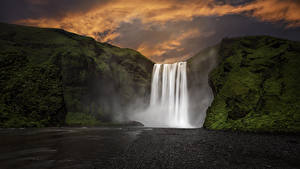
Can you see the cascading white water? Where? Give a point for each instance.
(169, 97)
(170, 105)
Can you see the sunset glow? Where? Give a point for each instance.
(159, 29)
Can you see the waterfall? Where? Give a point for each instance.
(171, 103)
(169, 97)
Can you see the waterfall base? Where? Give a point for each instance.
(169, 98)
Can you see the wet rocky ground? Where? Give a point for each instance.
(139, 148)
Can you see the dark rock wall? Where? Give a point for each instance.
(200, 93)
(49, 77)
(256, 85)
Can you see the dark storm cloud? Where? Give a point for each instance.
(210, 30)
(233, 2)
(12, 10)
(160, 29)
(168, 40)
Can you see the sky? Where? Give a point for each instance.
(162, 30)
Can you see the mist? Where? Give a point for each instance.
(160, 111)
(200, 93)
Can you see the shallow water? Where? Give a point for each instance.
(62, 147)
(90, 148)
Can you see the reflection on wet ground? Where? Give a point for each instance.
(63, 147)
(98, 148)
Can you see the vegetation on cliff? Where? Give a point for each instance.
(50, 77)
(256, 85)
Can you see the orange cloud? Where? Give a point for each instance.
(173, 43)
(109, 16)
(276, 10)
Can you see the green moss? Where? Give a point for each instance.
(256, 85)
(47, 73)
(81, 119)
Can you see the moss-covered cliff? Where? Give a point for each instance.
(256, 85)
(49, 77)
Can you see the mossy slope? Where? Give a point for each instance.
(256, 85)
(49, 77)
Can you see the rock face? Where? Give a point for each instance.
(256, 85)
(200, 93)
(49, 77)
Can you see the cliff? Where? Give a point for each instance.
(256, 85)
(50, 77)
